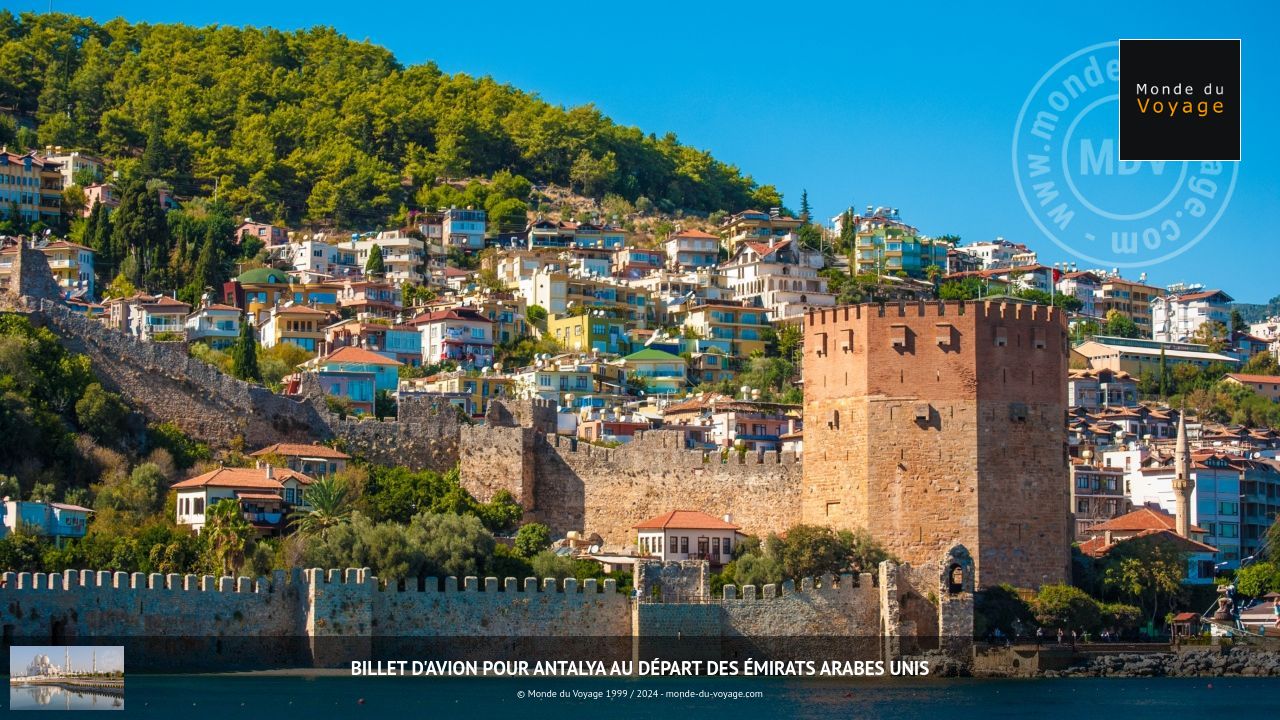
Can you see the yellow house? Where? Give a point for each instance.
(297, 324)
(72, 265)
(474, 389)
(594, 330)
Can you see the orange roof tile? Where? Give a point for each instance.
(686, 520)
(252, 478)
(301, 450)
(352, 354)
(1144, 518)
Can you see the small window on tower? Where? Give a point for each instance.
(1038, 339)
(1002, 336)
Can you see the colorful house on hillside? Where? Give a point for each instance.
(215, 325)
(297, 324)
(72, 265)
(459, 334)
(312, 460)
(266, 496)
(59, 521)
(149, 317)
(661, 372)
(1152, 525)
(384, 370)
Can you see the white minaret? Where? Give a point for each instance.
(1182, 482)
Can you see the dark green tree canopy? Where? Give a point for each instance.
(310, 125)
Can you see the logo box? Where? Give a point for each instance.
(1180, 100)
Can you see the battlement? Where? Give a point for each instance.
(849, 587)
(1021, 312)
(76, 580)
(669, 444)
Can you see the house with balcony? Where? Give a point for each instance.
(371, 298)
(1152, 525)
(72, 266)
(266, 232)
(298, 324)
(215, 325)
(1097, 495)
(355, 360)
(660, 372)
(597, 330)
(149, 317)
(884, 245)
(692, 250)
(688, 535)
(1097, 389)
(781, 277)
(311, 460)
(459, 334)
(754, 226)
(60, 521)
(403, 255)
(593, 235)
(744, 326)
(103, 194)
(266, 495)
(402, 343)
(1177, 316)
(634, 262)
(464, 228)
(32, 184)
(717, 421)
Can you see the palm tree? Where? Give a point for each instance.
(227, 534)
(329, 500)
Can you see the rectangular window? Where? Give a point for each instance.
(675, 544)
(684, 545)
(1228, 508)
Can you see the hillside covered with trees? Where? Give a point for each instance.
(313, 127)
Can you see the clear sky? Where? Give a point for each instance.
(911, 105)
(109, 658)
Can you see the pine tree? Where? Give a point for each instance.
(805, 210)
(106, 262)
(90, 234)
(374, 267)
(141, 231)
(244, 354)
(155, 161)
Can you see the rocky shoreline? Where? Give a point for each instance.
(1207, 662)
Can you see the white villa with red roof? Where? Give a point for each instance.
(458, 333)
(266, 495)
(688, 535)
(779, 275)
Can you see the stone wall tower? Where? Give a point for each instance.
(1182, 482)
(937, 424)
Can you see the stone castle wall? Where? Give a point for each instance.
(573, 485)
(328, 618)
(931, 424)
(166, 384)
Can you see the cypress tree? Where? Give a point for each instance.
(1164, 375)
(805, 210)
(374, 267)
(244, 354)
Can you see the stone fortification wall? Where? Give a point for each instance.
(572, 485)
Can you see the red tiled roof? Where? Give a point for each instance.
(1097, 545)
(1247, 378)
(1144, 518)
(253, 478)
(1198, 295)
(763, 249)
(697, 234)
(303, 309)
(351, 354)
(219, 306)
(301, 450)
(454, 313)
(685, 520)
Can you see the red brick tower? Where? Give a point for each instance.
(932, 424)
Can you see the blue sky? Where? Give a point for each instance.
(109, 657)
(910, 106)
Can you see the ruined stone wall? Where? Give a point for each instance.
(166, 384)
(931, 424)
(593, 489)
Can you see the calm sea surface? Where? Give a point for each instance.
(258, 696)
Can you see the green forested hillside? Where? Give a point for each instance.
(311, 126)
